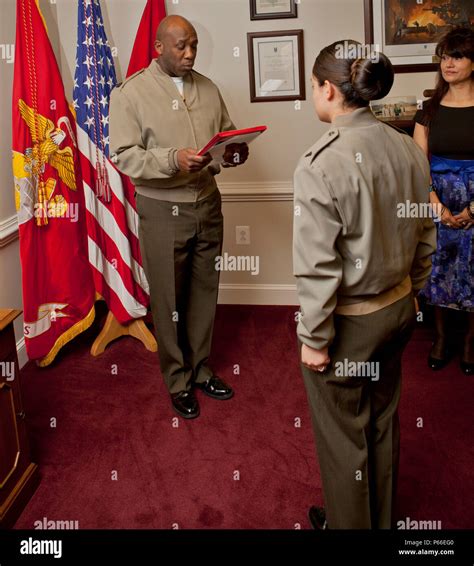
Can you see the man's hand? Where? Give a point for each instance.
(317, 360)
(190, 162)
(235, 154)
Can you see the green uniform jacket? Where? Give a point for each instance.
(150, 122)
(351, 241)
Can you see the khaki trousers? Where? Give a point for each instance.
(355, 418)
(179, 242)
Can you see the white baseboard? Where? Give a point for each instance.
(229, 294)
(21, 351)
(254, 294)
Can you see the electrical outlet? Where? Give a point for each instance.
(242, 235)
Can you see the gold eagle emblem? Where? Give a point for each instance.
(46, 145)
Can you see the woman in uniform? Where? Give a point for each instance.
(358, 260)
(445, 131)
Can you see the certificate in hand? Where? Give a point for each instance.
(216, 146)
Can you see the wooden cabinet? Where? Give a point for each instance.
(19, 477)
(407, 125)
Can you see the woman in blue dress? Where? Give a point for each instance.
(445, 131)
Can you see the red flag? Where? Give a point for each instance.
(58, 291)
(143, 50)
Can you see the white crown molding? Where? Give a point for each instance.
(257, 294)
(256, 192)
(8, 230)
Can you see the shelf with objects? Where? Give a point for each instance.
(407, 124)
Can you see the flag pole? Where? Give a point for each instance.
(112, 330)
(112, 220)
(141, 56)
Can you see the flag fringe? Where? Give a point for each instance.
(42, 17)
(66, 337)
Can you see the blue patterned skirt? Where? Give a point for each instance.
(451, 281)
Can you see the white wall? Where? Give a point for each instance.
(256, 195)
(10, 271)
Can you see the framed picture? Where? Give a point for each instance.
(276, 66)
(407, 31)
(273, 9)
(394, 108)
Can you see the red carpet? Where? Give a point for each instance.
(243, 464)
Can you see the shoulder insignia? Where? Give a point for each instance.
(322, 143)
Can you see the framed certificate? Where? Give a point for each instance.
(273, 9)
(276, 66)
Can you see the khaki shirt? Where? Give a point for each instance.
(150, 121)
(350, 242)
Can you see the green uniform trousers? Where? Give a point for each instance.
(179, 243)
(355, 419)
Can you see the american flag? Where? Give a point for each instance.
(112, 221)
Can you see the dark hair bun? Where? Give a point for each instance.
(372, 78)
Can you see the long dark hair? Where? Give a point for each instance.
(457, 43)
(360, 79)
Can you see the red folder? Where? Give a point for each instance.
(218, 143)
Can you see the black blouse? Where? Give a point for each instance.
(451, 134)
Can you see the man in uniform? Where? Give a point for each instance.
(159, 119)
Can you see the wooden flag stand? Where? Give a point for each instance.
(113, 329)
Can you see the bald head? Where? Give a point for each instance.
(171, 22)
(176, 44)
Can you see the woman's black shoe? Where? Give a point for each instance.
(467, 368)
(435, 363)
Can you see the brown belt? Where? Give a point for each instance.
(379, 302)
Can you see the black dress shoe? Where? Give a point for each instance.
(185, 404)
(436, 363)
(467, 368)
(216, 388)
(317, 518)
